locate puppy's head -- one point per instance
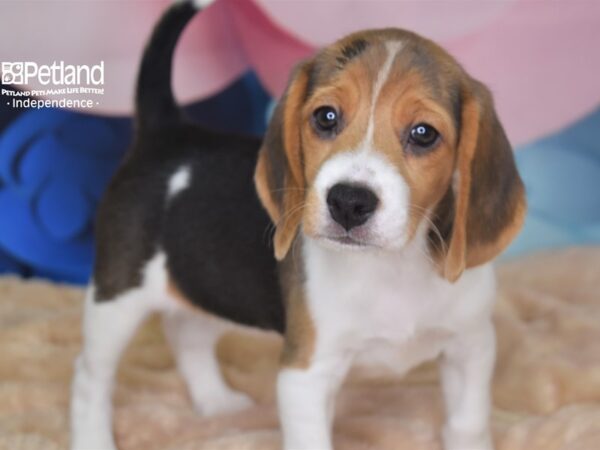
(382, 134)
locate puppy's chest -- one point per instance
(375, 298)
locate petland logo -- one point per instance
(56, 74)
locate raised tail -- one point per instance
(155, 103)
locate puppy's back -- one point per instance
(187, 192)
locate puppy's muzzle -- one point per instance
(351, 205)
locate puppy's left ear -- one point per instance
(279, 175)
(488, 195)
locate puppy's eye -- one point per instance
(423, 135)
(325, 119)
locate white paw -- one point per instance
(91, 414)
(223, 403)
(462, 440)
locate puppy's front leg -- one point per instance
(306, 399)
(467, 369)
(313, 366)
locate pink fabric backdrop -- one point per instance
(540, 58)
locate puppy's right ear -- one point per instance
(279, 175)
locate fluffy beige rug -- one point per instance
(546, 389)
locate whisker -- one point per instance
(428, 256)
(424, 214)
(269, 233)
(289, 213)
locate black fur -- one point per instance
(155, 104)
(351, 51)
(321, 70)
(214, 233)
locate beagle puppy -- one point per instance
(390, 186)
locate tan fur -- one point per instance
(456, 260)
(294, 185)
(300, 332)
(262, 188)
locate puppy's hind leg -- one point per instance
(193, 336)
(107, 328)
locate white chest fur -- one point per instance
(390, 308)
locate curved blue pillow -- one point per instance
(55, 165)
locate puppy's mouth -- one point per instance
(345, 241)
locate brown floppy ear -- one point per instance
(487, 193)
(279, 175)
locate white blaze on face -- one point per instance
(366, 166)
(392, 49)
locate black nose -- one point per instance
(351, 205)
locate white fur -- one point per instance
(306, 400)
(179, 181)
(391, 307)
(107, 328)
